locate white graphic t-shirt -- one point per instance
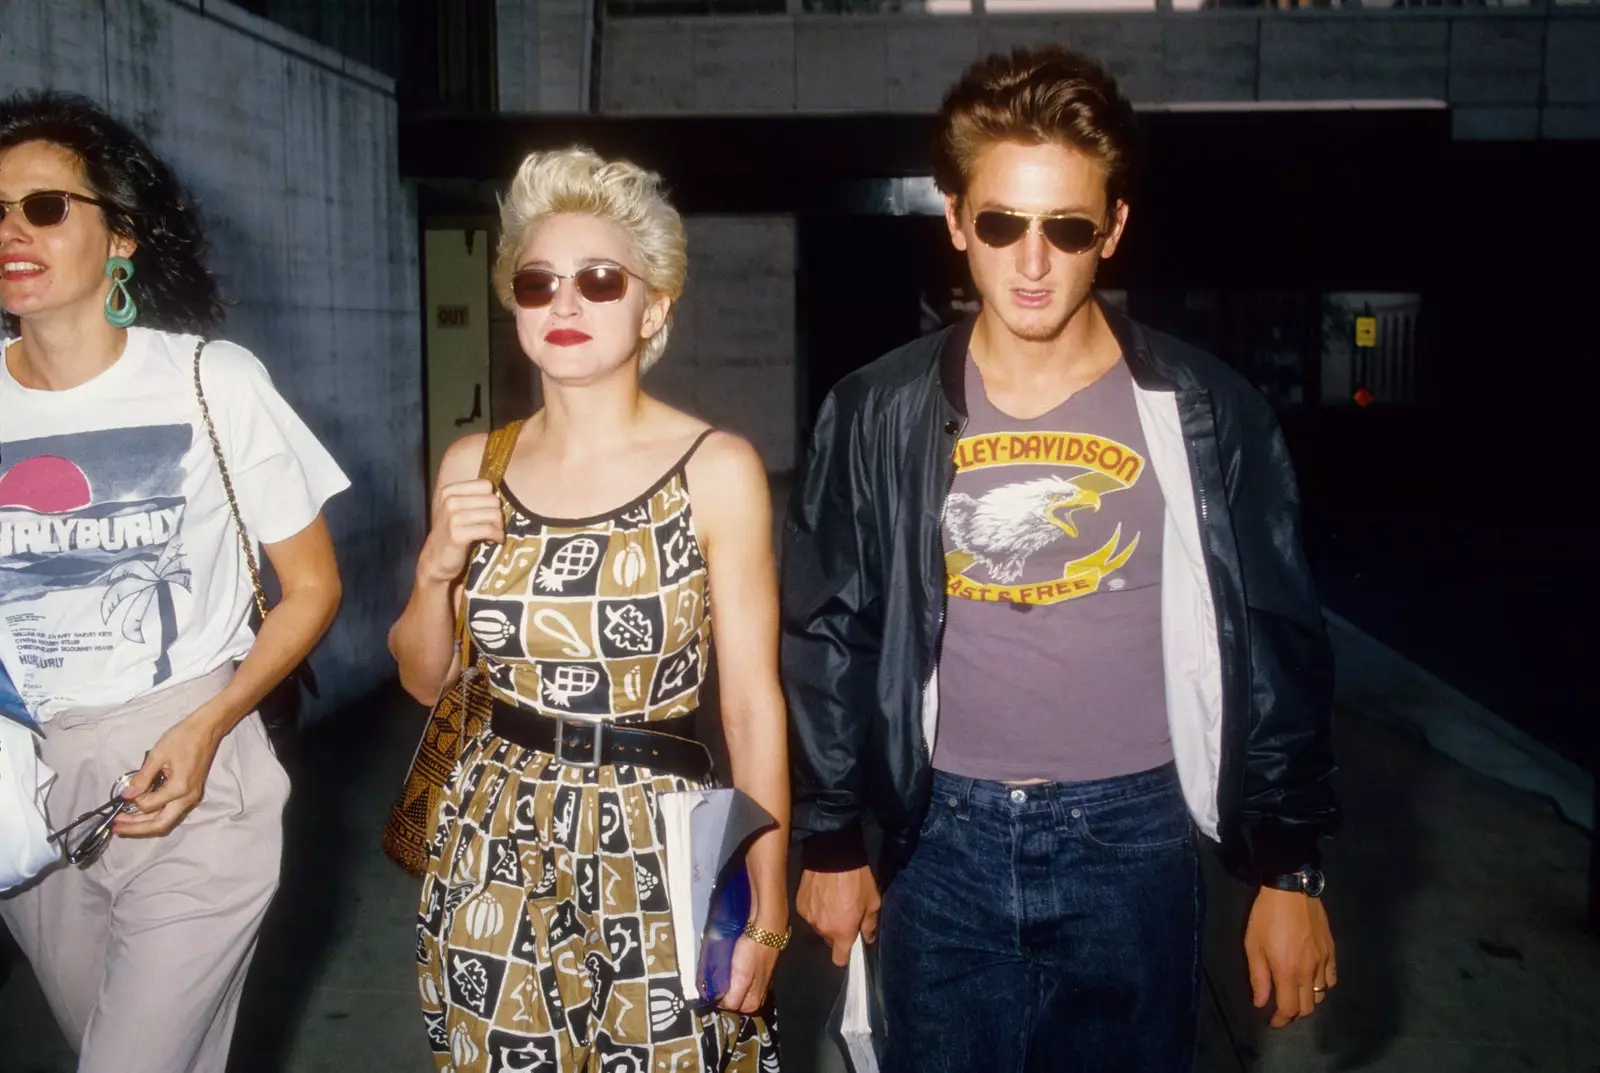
(120, 568)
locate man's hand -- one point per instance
(184, 755)
(1289, 948)
(839, 906)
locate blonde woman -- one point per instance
(544, 940)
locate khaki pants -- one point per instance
(143, 954)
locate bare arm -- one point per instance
(733, 513)
(465, 511)
(309, 576)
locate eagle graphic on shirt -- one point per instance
(1000, 531)
(1003, 528)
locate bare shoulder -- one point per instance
(729, 461)
(462, 459)
(728, 481)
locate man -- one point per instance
(1046, 614)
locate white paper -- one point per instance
(855, 1022)
(676, 812)
(25, 847)
(702, 831)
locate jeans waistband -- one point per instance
(961, 791)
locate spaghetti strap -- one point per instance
(689, 454)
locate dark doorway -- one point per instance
(865, 285)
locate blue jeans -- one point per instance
(1046, 927)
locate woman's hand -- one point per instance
(750, 981)
(183, 755)
(465, 513)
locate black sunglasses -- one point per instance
(89, 845)
(535, 288)
(47, 208)
(999, 228)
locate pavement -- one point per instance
(1457, 901)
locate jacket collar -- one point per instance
(953, 347)
(1152, 370)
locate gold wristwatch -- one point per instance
(775, 940)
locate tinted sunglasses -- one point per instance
(535, 288)
(46, 208)
(1000, 228)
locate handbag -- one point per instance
(280, 708)
(458, 715)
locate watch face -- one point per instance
(1312, 882)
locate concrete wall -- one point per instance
(291, 151)
(1488, 64)
(542, 47)
(731, 358)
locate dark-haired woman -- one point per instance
(125, 594)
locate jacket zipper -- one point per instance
(1210, 553)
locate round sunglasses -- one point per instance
(535, 288)
(999, 228)
(47, 208)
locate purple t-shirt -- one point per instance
(1051, 665)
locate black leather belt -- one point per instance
(666, 746)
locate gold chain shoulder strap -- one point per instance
(227, 487)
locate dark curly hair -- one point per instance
(144, 202)
(1033, 96)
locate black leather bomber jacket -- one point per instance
(863, 604)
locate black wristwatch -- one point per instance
(1308, 881)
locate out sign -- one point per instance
(1366, 331)
(452, 317)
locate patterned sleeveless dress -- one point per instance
(545, 941)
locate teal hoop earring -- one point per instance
(119, 270)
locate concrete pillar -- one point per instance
(731, 357)
(544, 51)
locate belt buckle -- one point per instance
(598, 728)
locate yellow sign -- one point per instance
(1366, 331)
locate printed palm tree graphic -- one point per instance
(134, 586)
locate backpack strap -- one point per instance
(497, 453)
(496, 457)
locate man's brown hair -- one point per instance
(1036, 96)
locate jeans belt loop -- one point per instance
(964, 798)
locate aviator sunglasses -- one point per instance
(47, 208)
(535, 288)
(999, 228)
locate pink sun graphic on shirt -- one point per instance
(47, 484)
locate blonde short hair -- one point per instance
(579, 180)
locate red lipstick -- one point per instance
(566, 337)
